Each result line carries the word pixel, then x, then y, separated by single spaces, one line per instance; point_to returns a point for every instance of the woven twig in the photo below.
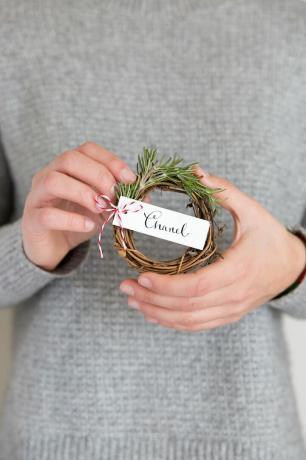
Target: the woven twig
pixel 191 258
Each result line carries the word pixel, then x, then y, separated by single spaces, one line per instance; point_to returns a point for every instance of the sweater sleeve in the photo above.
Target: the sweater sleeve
pixel 19 277
pixel 293 302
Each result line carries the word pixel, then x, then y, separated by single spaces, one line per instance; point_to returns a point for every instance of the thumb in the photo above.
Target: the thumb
pixel 231 198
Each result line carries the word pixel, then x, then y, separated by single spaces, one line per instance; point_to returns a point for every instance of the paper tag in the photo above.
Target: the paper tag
pixel 163 223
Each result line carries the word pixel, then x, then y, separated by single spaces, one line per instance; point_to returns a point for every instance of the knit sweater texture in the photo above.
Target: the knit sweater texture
pixel 220 82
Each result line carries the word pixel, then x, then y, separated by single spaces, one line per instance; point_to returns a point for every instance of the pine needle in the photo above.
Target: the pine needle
pixel 152 172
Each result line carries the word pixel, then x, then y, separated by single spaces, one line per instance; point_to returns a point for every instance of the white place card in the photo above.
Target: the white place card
pixel 163 223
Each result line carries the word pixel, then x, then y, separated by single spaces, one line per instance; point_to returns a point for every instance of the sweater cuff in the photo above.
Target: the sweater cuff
pixel 293 299
pixel 20 278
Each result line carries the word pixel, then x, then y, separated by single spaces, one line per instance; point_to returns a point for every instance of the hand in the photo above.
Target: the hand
pixel 263 260
pixel 60 210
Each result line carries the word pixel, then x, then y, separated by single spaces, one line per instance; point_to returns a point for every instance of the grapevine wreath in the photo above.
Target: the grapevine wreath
pixel 169 175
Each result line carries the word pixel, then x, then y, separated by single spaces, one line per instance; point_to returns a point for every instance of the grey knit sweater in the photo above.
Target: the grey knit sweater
pixel 220 82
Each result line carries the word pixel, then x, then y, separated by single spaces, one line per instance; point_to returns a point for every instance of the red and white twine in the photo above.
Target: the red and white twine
pixel 113 210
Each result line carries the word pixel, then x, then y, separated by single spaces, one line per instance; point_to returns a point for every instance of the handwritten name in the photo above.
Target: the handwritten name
pixel 152 221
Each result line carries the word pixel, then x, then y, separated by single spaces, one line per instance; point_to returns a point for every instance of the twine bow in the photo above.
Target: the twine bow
pixel 114 210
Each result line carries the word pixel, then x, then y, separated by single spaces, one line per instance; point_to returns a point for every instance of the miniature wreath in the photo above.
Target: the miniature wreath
pixel 169 175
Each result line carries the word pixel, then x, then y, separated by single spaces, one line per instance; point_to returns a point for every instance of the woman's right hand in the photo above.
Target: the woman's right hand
pixel 60 210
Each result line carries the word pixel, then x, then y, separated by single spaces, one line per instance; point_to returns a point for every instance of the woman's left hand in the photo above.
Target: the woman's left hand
pixel 262 261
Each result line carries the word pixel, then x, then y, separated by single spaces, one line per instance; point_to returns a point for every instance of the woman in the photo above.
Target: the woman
pixel 222 83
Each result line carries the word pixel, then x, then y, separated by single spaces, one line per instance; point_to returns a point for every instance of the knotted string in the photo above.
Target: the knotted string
pixel 113 210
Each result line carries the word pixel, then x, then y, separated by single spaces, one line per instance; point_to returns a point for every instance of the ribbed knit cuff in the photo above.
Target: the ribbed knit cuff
pixel 153 448
pixel 19 277
pixel 293 299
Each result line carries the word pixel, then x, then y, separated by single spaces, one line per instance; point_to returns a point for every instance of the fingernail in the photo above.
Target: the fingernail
pixel 145 282
pixel 126 289
pixel 89 224
pixel 133 304
pixel 112 190
pixel 203 172
pixel 147 199
pixel 100 203
pixel 127 175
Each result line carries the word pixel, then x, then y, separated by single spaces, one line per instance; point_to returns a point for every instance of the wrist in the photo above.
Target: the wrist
pixel 300 255
pixel 41 254
pixel 298 258
pixel 40 262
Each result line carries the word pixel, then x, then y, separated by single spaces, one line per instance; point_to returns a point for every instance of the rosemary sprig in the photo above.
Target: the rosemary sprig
pixel 152 172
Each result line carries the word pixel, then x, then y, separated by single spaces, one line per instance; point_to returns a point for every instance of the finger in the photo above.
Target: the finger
pixel 87 170
pixel 57 185
pixel 184 318
pixel 231 198
pixel 120 170
pixel 58 219
pixel 200 327
pixel 221 296
pixel 147 199
pixel 217 275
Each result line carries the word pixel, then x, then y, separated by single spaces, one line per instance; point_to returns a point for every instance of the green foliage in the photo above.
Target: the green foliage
pixel 152 172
